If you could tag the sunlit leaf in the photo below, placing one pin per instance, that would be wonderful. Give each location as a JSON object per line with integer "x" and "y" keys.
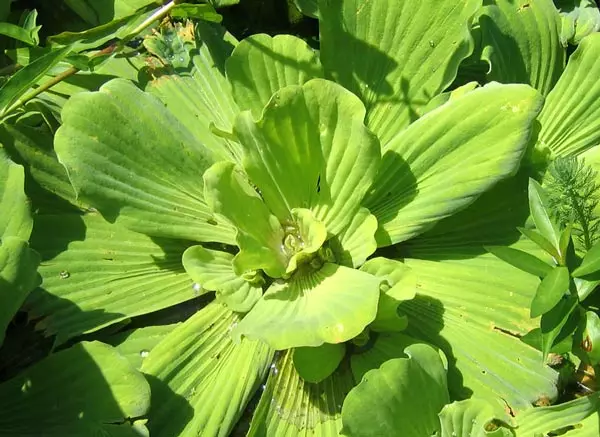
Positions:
{"x": 261, "y": 65}
{"x": 395, "y": 55}
{"x": 314, "y": 364}
{"x": 330, "y": 305}
{"x": 550, "y": 291}
{"x": 521, "y": 260}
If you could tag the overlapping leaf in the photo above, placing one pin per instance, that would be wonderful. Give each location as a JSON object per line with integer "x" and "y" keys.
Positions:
{"x": 95, "y": 274}
{"x": 310, "y": 150}
{"x": 570, "y": 120}
{"x": 444, "y": 161}
{"x": 521, "y": 42}
{"x": 261, "y": 65}
{"x": 129, "y": 157}
{"x": 331, "y": 305}
{"x": 395, "y": 55}
{"x": 92, "y": 391}
{"x": 201, "y": 381}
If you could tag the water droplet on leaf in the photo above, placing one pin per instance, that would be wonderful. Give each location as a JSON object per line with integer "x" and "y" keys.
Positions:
{"x": 64, "y": 274}
{"x": 144, "y": 353}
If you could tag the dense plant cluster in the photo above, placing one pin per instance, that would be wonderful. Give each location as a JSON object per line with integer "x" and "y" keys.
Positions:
{"x": 386, "y": 229}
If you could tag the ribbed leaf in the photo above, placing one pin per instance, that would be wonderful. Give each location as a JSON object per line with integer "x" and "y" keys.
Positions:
{"x": 259, "y": 234}
{"x": 475, "y": 418}
{"x": 200, "y": 380}
{"x": 402, "y": 397}
{"x": 356, "y": 242}
{"x": 444, "y": 161}
{"x": 570, "y": 120}
{"x": 330, "y": 305}
{"x": 213, "y": 270}
{"x": 34, "y": 147}
{"x": 129, "y": 157}
{"x": 261, "y": 65}
{"x": 473, "y": 308}
{"x": 521, "y": 42}
{"x": 18, "y": 276}
{"x": 15, "y": 219}
{"x": 541, "y": 421}
{"x": 92, "y": 391}
{"x": 292, "y": 407}
{"x": 204, "y": 97}
{"x": 395, "y": 55}
{"x": 96, "y": 274}
{"x": 311, "y": 150}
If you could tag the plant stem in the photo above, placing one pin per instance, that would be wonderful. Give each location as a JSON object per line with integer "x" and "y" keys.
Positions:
{"x": 157, "y": 15}
{"x": 577, "y": 207}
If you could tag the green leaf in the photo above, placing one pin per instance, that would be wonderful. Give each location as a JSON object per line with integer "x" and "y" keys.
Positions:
{"x": 212, "y": 270}
{"x": 18, "y": 277}
{"x": 554, "y": 320}
{"x": 25, "y": 78}
{"x": 564, "y": 242}
{"x": 356, "y": 242}
{"x": 521, "y": 42}
{"x": 15, "y": 219}
{"x": 96, "y": 13}
{"x": 579, "y": 19}
{"x": 309, "y": 8}
{"x": 477, "y": 323}
{"x": 541, "y": 242}
{"x": 96, "y": 274}
{"x": 570, "y": 120}
{"x": 440, "y": 164}
{"x": 545, "y": 420}
{"x": 204, "y": 98}
{"x": 540, "y": 212}
{"x": 399, "y": 283}
{"x": 93, "y": 391}
{"x": 521, "y": 260}
{"x": 204, "y": 12}
{"x": 259, "y": 234}
{"x": 201, "y": 381}
{"x": 136, "y": 344}
{"x": 550, "y": 291}
{"x": 386, "y": 401}
{"x": 475, "y": 418}
{"x": 130, "y": 158}
{"x": 590, "y": 263}
{"x": 18, "y": 33}
{"x": 314, "y": 364}
{"x": 395, "y": 55}
{"x": 331, "y": 305}
{"x": 290, "y": 406}
{"x": 261, "y": 65}
{"x": 311, "y": 150}
{"x": 591, "y": 337}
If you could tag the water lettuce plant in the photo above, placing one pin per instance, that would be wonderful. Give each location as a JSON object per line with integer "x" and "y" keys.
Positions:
{"x": 321, "y": 216}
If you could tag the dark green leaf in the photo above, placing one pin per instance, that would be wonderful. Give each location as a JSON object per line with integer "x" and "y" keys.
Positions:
{"x": 590, "y": 263}
{"x": 521, "y": 260}
{"x": 314, "y": 364}
{"x": 550, "y": 291}
{"x": 541, "y": 241}
{"x": 540, "y": 211}
{"x": 201, "y": 12}
{"x": 553, "y": 321}
{"x": 27, "y": 77}
{"x": 16, "y": 32}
